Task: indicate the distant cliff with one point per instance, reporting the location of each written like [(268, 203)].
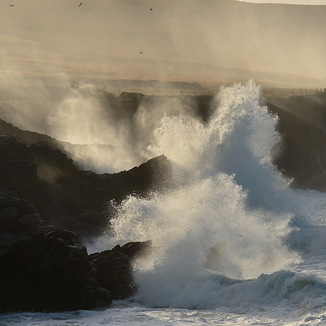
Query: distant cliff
[(34, 166), (302, 154), (66, 196)]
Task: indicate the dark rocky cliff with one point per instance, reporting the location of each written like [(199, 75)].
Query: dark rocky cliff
[(45, 198), (302, 153), (64, 195), (33, 165)]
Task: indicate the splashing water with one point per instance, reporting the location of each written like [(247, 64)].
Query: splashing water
[(230, 215)]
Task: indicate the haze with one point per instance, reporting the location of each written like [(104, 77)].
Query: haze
[(204, 41), (294, 2)]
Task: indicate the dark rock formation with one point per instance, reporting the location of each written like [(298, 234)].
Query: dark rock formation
[(47, 269), (17, 214), (301, 155), (18, 218), (33, 166), (49, 273), (24, 136), (66, 196), (114, 268), (42, 192)]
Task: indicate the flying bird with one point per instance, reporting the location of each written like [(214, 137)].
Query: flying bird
[(81, 4), (12, 5), (141, 52)]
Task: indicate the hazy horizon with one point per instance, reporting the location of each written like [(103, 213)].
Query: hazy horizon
[(294, 2), (206, 42)]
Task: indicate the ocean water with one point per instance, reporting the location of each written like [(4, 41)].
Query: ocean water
[(233, 243)]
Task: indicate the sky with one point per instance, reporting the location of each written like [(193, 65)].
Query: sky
[(204, 41), (296, 2)]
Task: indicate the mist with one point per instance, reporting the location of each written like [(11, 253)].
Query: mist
[(56, 56), (207, 41)]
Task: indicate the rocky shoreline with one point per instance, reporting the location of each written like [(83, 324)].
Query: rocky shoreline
[(50, 270), (44, 266), (48, 206)]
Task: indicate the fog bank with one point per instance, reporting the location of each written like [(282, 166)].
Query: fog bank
[(206, 41)]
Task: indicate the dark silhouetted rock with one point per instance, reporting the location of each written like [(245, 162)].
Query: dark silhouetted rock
[(114, 268), (17, 214), (18, 219), (49, 273), (66, 196), (34, 166), (69, 238), (44, 268), (301, 155)]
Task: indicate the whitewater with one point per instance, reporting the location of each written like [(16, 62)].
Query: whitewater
[(232, 241)]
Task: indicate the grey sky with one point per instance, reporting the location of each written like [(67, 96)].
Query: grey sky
[(296, 2), (204, 41)]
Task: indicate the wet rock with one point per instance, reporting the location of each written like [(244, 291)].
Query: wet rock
[(301, 155), (64, 195), (114, 268), (18, 219), (68, 237), (49, 273), (17, 214)]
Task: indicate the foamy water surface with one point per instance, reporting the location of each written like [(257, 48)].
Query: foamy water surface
[(233, 243)]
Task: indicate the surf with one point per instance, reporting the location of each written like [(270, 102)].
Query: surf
[(229, 230)]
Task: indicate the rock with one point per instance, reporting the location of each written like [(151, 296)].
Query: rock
[(49, 273), (301, 155), (18, 219), (114, 268), (68, 237), (65, 196), (8, 239), (17, 214), (44, 268), (134, 249), (114, 273)]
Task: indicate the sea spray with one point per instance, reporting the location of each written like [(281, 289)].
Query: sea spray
[(91, 132), (108, 134), (238, 140), (221, 219)]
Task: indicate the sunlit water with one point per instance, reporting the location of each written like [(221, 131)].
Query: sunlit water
[(232, 242)]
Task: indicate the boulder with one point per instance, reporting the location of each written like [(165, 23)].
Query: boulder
[(114, 268), (45, 268), (49, 273), (17, 214), (18, 219), (65, 195)]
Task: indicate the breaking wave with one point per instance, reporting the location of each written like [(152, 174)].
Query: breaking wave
[(232, 228)]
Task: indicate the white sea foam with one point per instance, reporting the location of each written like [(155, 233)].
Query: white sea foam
[(232, 242), (232, 214)]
